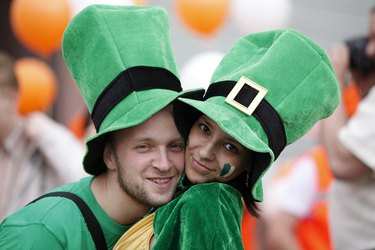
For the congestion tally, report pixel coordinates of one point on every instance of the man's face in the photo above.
(149, 159)
(370, 49)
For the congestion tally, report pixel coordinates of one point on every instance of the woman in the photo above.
(267, 92)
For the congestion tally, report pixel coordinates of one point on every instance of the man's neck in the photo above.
(117, 204)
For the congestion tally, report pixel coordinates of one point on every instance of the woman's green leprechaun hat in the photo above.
(267, 92)
(121, 59)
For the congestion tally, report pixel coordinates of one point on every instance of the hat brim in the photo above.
(153, 103)
(231, 122)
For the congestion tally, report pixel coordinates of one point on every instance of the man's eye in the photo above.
(177, 147)
(143, 147)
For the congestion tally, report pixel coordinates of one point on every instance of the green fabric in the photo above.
(301, 83)
(57, 222)
(101, 42)
(206, 216)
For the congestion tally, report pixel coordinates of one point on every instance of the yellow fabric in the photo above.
(138, 236)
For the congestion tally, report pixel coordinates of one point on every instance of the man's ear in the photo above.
(109, 157)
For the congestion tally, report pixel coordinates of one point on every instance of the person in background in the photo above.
(350, 144)
(295, 210)
(37, 154)
(259, 101)
(121, 59)
(81, 125)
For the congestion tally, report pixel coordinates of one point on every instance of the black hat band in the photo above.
(132, 79)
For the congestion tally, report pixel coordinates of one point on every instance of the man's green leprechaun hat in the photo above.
(121, 59)
(267, 92)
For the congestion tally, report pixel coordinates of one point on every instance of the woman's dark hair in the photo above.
(245, 184)
(246, 181)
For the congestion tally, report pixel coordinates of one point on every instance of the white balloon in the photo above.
(197, 71)
(78, 5)
(260, 15)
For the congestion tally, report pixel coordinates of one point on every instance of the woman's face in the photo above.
(210, 149)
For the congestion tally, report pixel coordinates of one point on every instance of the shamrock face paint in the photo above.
(227, 170)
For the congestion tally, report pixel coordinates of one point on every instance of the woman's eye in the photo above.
(204, 128)
(230, 147)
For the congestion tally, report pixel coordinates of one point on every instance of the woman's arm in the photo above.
(207, 216)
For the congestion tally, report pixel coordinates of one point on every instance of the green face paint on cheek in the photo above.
(227, 170)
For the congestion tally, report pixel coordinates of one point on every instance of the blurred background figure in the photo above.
(36, 153)
(295, 212)
(82, 125)
(324, 198)
(296, 206)
(350, 144)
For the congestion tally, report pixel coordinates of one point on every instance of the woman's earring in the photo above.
(247, 179)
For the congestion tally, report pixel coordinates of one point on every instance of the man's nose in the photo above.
(162, 161)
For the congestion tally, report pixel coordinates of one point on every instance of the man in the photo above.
(350, 145)
(121, 60)
(36, 153)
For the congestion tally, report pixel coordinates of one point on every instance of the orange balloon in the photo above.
(39, 24)
(203, 16)
(37, 85)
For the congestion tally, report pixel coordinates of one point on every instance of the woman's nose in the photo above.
(206, 151)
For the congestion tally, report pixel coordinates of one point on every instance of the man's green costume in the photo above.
(57, 223)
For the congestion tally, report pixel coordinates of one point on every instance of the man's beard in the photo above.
(133, 189)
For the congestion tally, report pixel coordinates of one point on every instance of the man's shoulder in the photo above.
(46, 211)
(52, 220)
(50, 212)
